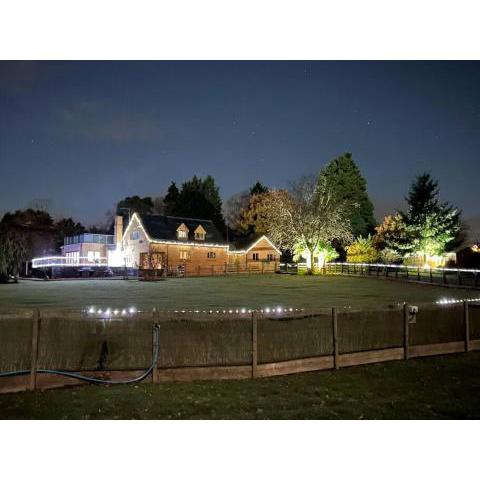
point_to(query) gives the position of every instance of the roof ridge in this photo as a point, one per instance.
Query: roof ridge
(174, 216)
(189, 218)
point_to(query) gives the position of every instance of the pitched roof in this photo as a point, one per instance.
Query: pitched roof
(244, 244)
(163, 227)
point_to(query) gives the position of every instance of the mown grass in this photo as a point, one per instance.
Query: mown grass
(250, 291)
(445, 387)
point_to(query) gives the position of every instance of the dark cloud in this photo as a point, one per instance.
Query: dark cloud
(96, 121)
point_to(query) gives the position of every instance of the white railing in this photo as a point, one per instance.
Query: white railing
(404, 267)
(43, 262)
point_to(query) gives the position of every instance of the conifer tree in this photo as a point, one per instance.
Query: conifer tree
(431, 227)
(346, 181)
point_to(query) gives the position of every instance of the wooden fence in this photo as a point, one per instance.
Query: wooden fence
(187, 270)
(453, 277)
(232, 344)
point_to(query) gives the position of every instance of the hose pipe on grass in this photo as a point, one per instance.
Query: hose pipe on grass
(94, 380)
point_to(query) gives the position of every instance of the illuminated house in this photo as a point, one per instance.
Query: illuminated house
(193, 245)
(90, 246)
(168, 244)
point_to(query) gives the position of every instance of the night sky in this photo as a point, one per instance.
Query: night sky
(85, 134)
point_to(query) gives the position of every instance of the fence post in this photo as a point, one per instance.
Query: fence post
(406, 333)
(34, 353)
(155, 343)
(254, 346)
(335, 338)
(466, 322)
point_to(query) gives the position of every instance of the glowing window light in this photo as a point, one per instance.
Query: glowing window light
(132, 310)
(91, 310)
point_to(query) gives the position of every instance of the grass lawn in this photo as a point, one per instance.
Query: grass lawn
(253, 291)
(428, 388)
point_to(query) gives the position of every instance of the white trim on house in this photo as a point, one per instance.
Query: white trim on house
(171, 242)
(263, 237)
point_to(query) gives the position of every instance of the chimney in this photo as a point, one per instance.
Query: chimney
(118, 231)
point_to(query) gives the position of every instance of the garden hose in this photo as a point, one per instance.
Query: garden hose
(94, 380)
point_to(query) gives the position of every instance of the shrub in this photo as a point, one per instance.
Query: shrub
(362, 250)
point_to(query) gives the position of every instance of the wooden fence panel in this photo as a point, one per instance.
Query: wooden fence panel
(369, 330)
(437, 324)
(205, 340)
(474, 318)
(294, 337)
(15, 339)
(78, 341)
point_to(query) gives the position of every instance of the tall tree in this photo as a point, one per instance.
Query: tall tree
(431, 227)
(234, 206)
(66, 227)
(255, 217)
(258, 189)
(135, 204)
(170, 200)
(348, 185)
(13, 252)
(307, 218)
(242, 210)
(28, 217)
(200, 198)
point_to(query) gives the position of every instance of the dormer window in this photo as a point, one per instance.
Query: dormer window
(200, 233)
(182, 232)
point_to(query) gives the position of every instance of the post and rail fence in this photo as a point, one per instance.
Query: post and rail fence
(449, 277)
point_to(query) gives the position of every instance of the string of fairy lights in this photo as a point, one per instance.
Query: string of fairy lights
(109, 313)
(117, 312)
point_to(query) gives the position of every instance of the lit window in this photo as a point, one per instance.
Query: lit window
(90, 255)
(97, 255)
(184, 255)
(182, 234)
(255, 257)
(211, 255)
(199, 236)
